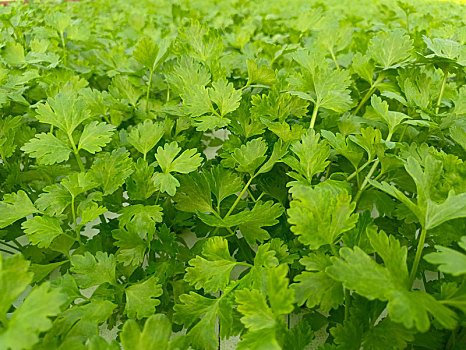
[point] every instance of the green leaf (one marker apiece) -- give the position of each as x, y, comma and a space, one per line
250, 156
196, 100
392, 119
361, 273
319, 216
145, 136
262, 75
47, 148
452, 208
155, 334
65, 111
391, 49
93, 270
110, 170
131, 246
212, 273
281, 298
167, 159
187, 73
42, 230
189, 310
141, 218
54, 200
78, 183
32, 318
14, 278
194, 194
325, 87
225, 97
315, 287
141, 298
312, 156
140, 185
256, 312
450, 261
299, 337
13, 53
262, 214
149, 54
15, 206
95, 136
223, 183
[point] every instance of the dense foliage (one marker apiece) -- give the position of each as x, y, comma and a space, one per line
176, 173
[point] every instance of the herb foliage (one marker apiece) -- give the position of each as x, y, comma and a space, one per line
184, 172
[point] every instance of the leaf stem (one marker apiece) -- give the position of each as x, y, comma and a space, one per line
149, 83
238, 198
314, 116
347, 303
442, 89
368, 94
73, 212
371, 171
334, 59
76, 153
417, 258
358, 170
63, 44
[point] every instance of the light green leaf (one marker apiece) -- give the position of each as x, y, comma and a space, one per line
110, 170
225, 97
319, 216
32, 318
391, 49
65, 111
93, 270
15, 206
250, 156
13, 53
450, 261
212, 273
95, 136
78, 183
42, 230
141, 298
47, 148
145, 136
14, 278
155, 334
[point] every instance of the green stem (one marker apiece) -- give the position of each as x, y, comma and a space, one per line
347, 303
442, 89
250, 195
148, 90
244, 264
371, 171
368, 94
366, 180
63, 44
417, 258
157, 198
335, 60
314, 116
358, 170
238, 198
70, 236
73, 212
76, 153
